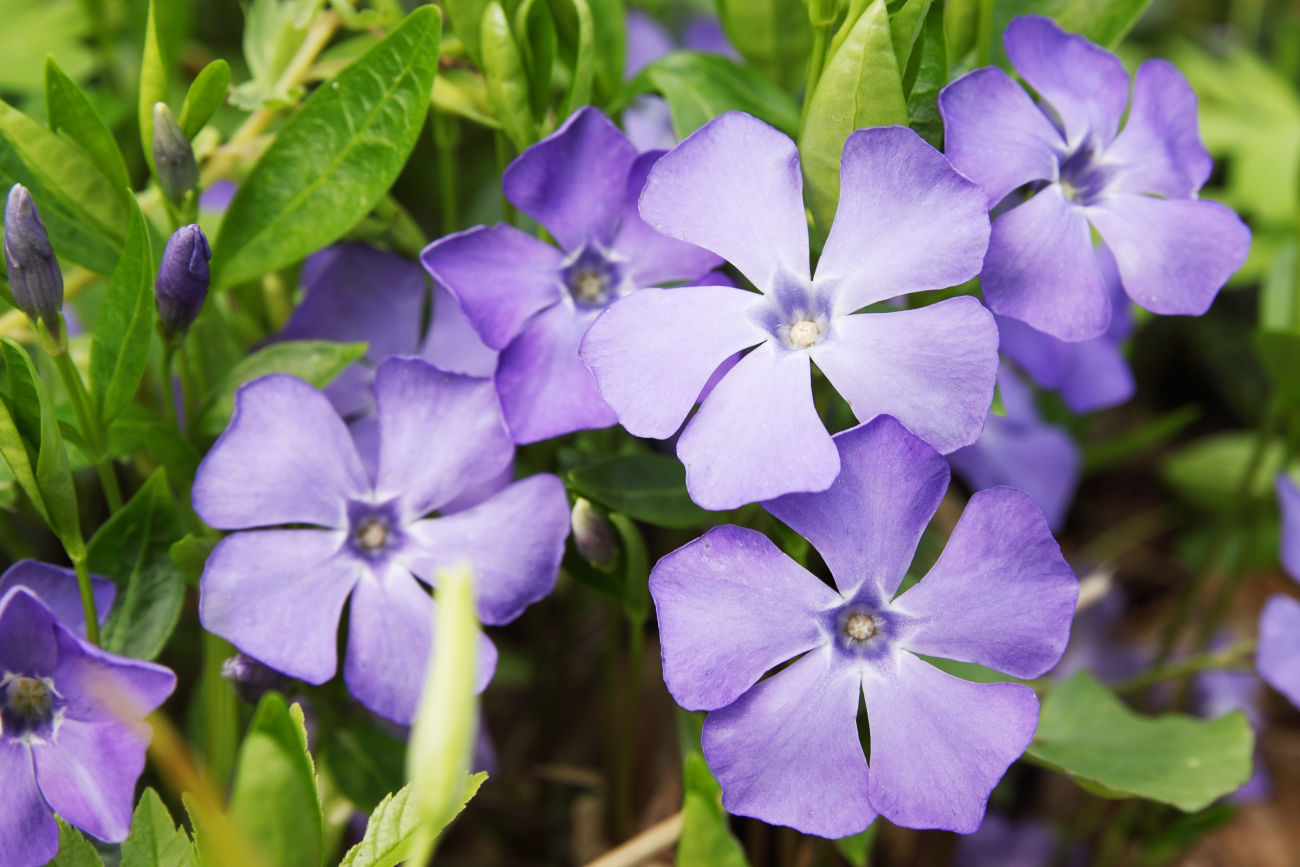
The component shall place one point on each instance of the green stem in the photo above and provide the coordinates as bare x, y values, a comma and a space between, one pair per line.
444, 147
188, 388
82, 569
984, 32
503, 162
88, 423
1233, 657
168, 393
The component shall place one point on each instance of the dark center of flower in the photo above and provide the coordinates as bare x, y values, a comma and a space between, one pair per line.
375, 529
1082, 180
860, 626
372, 534
28, 706
594, 276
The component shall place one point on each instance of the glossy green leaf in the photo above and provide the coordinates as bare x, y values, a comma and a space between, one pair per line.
507, 82
138, 428
133, 548
584, 60
535, 27
155, 841
392, 826
860, 86
334, 159
648, 487
206, 94
706, 839
609, 35
153, 81
274, 799
119, 350
465, 17
699, 87
1086, 732
906, 27
316, 361
70, 114
74, 849
930, 77
775, 36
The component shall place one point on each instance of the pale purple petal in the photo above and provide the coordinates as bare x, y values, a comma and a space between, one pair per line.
1278, 656
1090, 375
285, 458
648, 122
1037, 458
57, 587
1085, 84
704, 33
513, 541
647, 41
652, 258
788, 752
28, 835
545, 388
499, 275
1160, 150
1173, 254
1000, 595
940, 744
653, 351
28, 630
755, 606
1288, 500
88, 775
439, 434
99, 686
573, 181
452, 344
932, 368
758, 435
278, 595
1041, 268
734, 187
867, 525
906, 221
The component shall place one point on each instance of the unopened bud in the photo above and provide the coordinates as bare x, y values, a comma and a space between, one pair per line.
182, 283
173, 157
251, 679
593, 535
34, 274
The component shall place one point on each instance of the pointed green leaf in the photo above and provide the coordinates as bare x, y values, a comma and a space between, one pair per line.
466, 20
74, 849
584, 61
70, 114
648, 487
609, 41
507, 83
206, 94
153, 82
119, 350
155, 840
931, 74
706, 839
391, 829
773, 35
535, 27
698, 87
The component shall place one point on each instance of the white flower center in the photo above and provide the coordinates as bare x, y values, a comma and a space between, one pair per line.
373, 534
804, 333
859, 626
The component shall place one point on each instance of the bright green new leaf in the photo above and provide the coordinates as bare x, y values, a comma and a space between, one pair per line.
35, 29
133, 548
119, 349
155, 840
74, 849
392, 826
609, 32
584, 61
1087, 733
706, 839
535, 27
775, 36
465, 18
648, 487
153, 82
905, 29
206, 94
700, 86
507, 82
334, 159
70, 114
274, 30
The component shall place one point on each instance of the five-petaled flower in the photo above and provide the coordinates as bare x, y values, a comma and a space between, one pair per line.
1056, 171
786, 749
277, 592
906, 222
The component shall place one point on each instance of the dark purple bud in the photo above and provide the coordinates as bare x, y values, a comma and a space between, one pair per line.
34, 274
251, 679
182, 282
173, 157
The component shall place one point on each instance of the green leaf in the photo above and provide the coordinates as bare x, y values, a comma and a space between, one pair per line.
274, 798
773, 35
856, 848
35, 29
74, 849
153, 82
466, 18
537, 40
206, 94
274, 30
699, 87
70, 113
1208, 472
648, 487
906, 28
1087, 733
119, 350
931, 75
584, 61
335, 158
706, 839
609, 32
636, 568
507, 83
391, 829
133, 547
861, 86
365, 762
137, 428
1280, 353
316, 361
190, 555
155, 840
1105, 22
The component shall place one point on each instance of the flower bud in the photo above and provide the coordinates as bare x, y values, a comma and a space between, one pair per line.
34, 274
251, 679
182, 283
173, 157
593, 535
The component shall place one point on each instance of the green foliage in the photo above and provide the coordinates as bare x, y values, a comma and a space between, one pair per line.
70, 114
273, 32
609, 44
773, 35
583, 60
1280, 353
706, 839
465, 18
856, 849
646, 486
1102, 21
392, 826
507, 84
206, 94
74, 849
119, 351
1207, 472
699, 87
36, 29
1086, 732
927, 73
153, 80
334, 159
535, 29
365, 762
155, 840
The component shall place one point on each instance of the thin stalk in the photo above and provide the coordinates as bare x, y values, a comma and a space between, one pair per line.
88, 423
168, 394
984, 32
1233, 657
444, 148
503, 162
15, 323
82, 569
189, 389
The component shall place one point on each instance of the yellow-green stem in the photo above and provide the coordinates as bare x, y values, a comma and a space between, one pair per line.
82, 569
88, 423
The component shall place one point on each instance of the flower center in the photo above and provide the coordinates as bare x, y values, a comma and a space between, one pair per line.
594, 276
1082, 180
29, 706
375, 529
805, 333
860, 626
372, 534
588, 288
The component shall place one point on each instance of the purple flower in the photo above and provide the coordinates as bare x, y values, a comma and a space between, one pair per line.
277, 592
786, 749
57, 588
1022, 451
1278, 656
906, 222
72, 736
181, 286
1000, 842
534, 302
1136, 187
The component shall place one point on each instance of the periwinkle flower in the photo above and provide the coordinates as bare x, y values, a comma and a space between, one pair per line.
182, 283
34, 275
1278, 656
72, 736
786, 748
173, 156
906, 222
535, 302
316, 530
1065, 168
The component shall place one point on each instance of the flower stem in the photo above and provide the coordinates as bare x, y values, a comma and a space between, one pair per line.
82, 568
1232, 657
168, 394
444, 147
88, 423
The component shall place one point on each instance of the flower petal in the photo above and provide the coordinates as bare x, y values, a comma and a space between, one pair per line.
1085, 84
57, 587
1090, 375
452, 344
99, 686
932, 368
995, 135
26, 825
1041, 268
758, 435
1037, 458
730, 607
734, 187
1173, 254
653, 258
940, 744
573, 181
28, 641
278, 595
653, 351
499, 275
1000, 595
906, 221
285, 458
1278, 656
1160, 150
420, 406
788, 752
1288, 500
514, 541
88, 774
867, 524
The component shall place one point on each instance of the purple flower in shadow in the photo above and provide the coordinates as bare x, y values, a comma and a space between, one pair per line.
1278, 656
